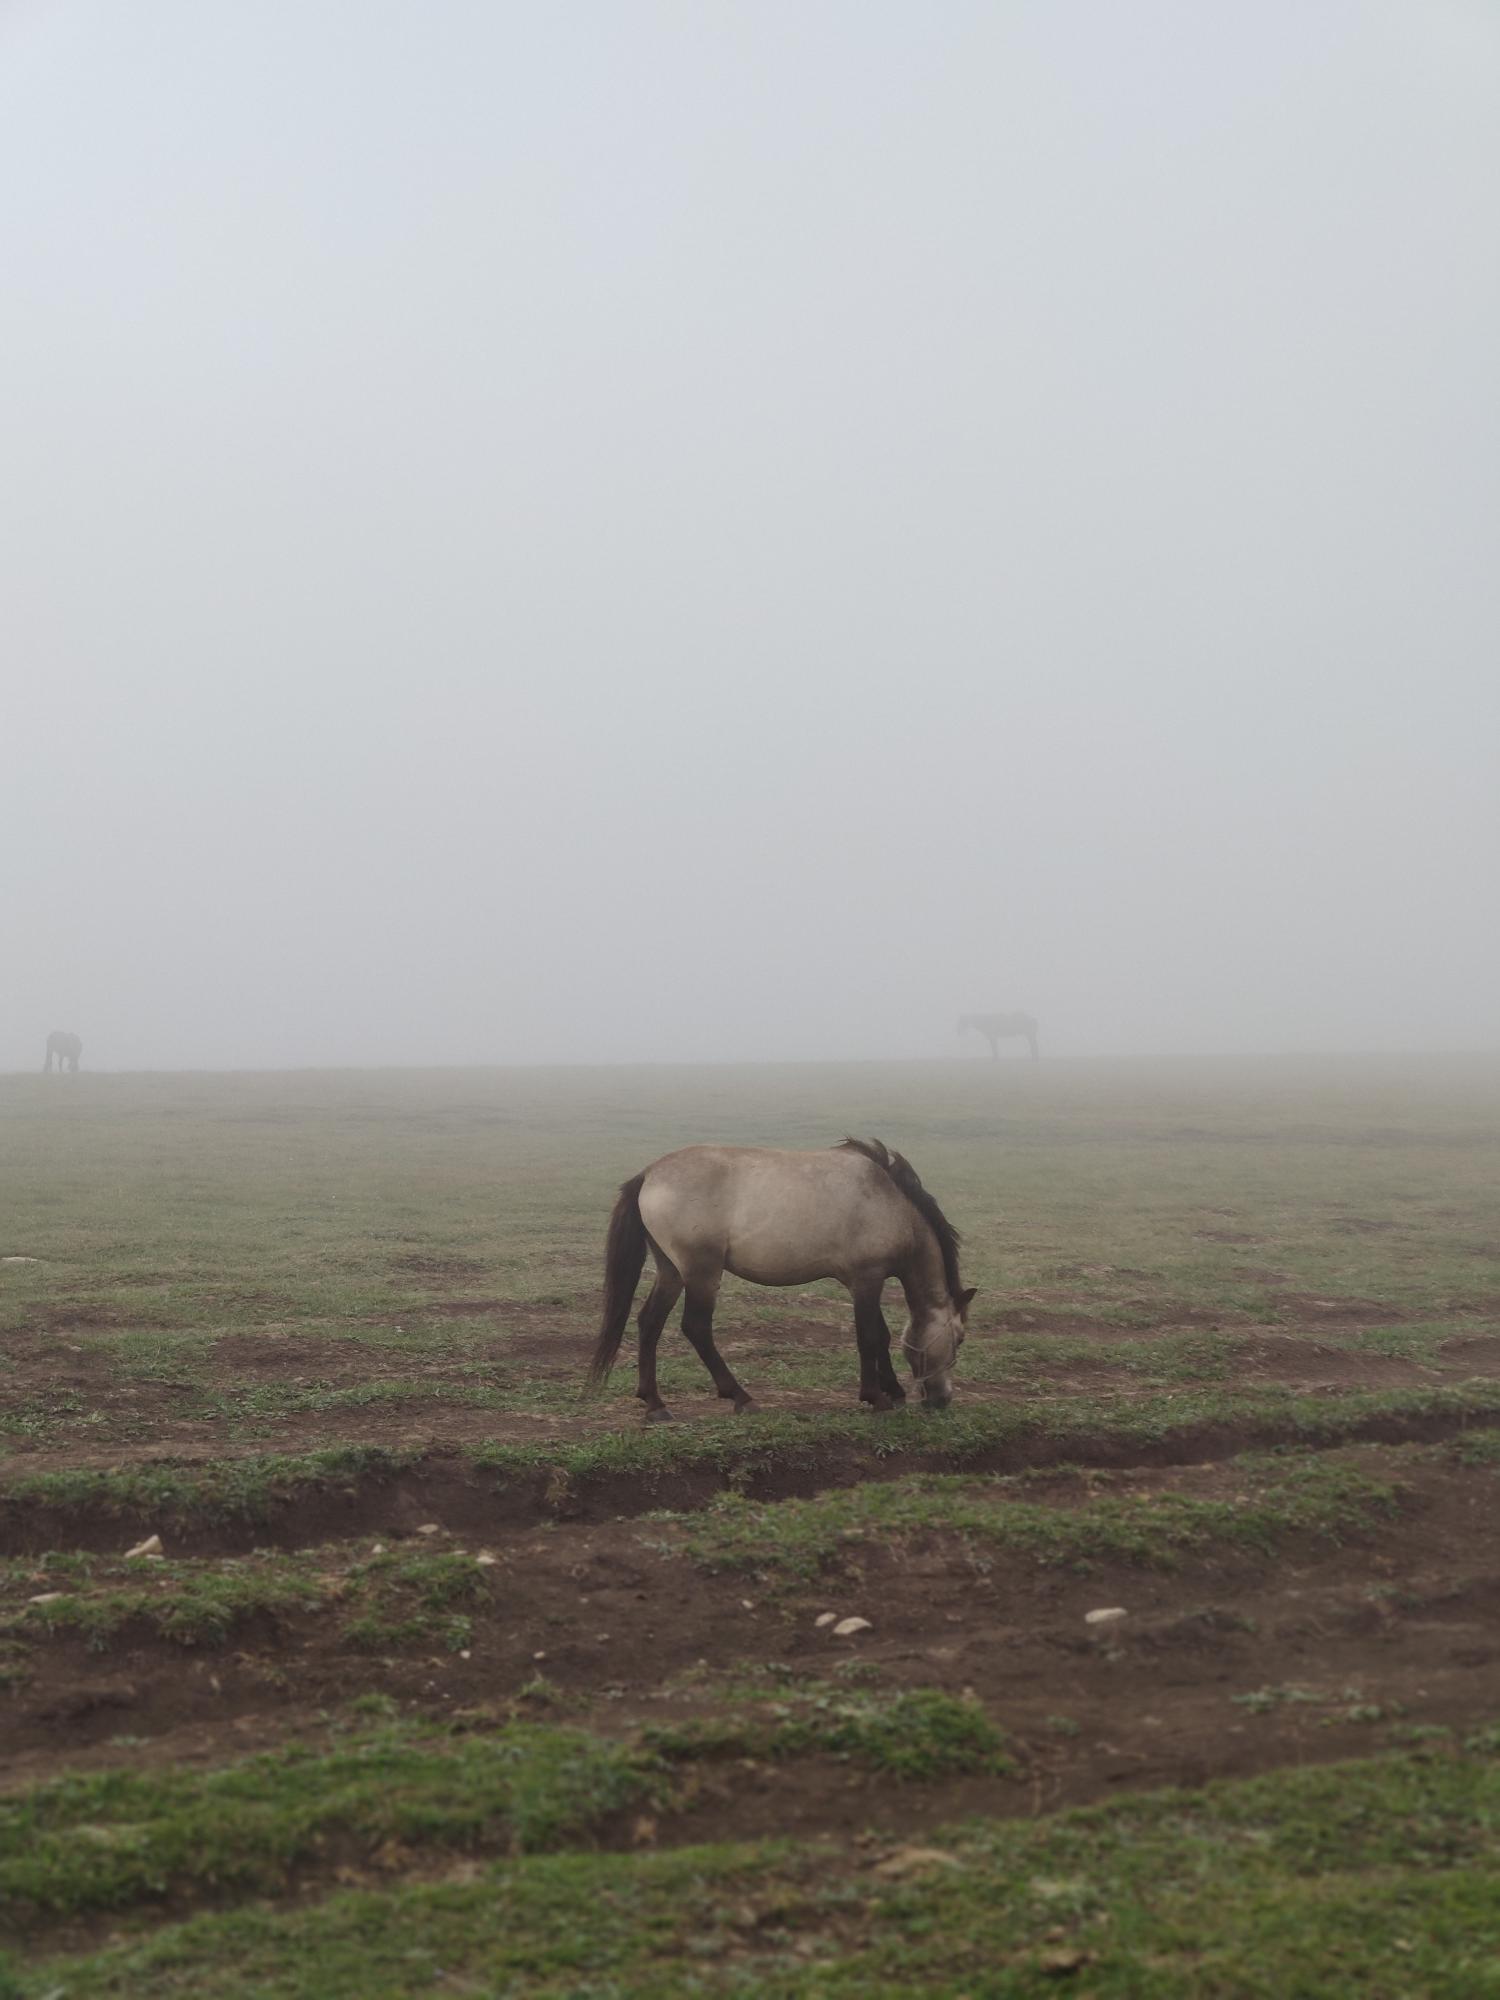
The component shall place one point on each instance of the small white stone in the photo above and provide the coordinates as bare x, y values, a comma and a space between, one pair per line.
847, 1627
539, 1656
747, 1604
48, 1597
378, 1550
1109, 1614
465, 1654
485, 1560
150, 1547
825, 1618
430, 1528
20, 1260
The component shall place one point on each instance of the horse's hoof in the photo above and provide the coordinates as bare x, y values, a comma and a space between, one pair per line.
879, 1404
743, 1403
660, 1415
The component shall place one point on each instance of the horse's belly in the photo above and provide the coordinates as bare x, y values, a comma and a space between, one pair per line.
781, 1264
779, 1243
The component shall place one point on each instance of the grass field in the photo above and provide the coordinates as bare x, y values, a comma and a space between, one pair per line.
454, 1679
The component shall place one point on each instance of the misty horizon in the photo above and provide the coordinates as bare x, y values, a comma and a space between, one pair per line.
642, 536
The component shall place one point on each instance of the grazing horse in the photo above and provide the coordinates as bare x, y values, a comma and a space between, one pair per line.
998, 1027
67, 1048
854, 1212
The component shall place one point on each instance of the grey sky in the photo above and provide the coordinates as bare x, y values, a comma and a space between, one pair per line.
642, 530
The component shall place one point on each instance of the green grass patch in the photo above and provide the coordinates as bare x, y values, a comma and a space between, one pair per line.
111, 1840
117, 1839
409, 1600
1478, 1448
799, 1538
384, 1603
236, 1489
1375, 1877
192, 1605
923, 1733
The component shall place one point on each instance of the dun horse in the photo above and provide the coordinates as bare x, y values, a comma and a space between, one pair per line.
997, 1028
854, 1212
67, 1048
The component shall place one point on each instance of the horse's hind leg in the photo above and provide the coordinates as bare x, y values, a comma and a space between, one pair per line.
663, 1295
698, 1325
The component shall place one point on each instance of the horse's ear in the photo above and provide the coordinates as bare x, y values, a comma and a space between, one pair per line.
964, 1299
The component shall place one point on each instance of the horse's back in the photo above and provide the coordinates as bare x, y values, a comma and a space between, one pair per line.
773, 1216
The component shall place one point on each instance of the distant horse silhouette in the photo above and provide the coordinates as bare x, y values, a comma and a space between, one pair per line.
854, 1212
1001, 1027
67, 1048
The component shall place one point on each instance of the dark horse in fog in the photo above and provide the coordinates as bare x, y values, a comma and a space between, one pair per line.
67, 1048
997, 1028
854, 1212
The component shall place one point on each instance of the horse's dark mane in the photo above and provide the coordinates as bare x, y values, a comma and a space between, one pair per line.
904, 1174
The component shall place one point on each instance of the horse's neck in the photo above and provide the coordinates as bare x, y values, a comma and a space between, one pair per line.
924, 1280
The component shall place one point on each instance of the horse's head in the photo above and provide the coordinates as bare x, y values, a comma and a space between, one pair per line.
931, 1343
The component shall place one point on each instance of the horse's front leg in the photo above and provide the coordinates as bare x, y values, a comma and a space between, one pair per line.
698, 1325
878, 1384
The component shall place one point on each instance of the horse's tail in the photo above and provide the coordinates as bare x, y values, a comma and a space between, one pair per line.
624, 1255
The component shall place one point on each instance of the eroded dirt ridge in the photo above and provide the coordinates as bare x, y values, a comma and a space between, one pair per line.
1275, 1607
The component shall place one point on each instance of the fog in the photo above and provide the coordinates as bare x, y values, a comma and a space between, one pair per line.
674, 531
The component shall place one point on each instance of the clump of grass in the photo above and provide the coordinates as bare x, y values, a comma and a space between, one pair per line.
923, 1733
539, 1692
1347, 1704
1262, 1700
190, 1605
375, 1706
413, 1599
387, 1603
